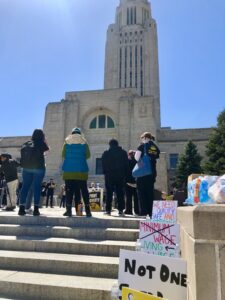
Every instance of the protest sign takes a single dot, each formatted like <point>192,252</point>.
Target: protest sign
<point>130,294</point>
<point>158,275</point>
<point>160,238</point>
<point>96,198</point>
<point>164,211</point>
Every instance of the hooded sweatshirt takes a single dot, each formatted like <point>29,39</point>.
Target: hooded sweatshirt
<point>75,153</point>
<point>115,162</point>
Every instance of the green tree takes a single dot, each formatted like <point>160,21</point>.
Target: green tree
<point>189,162</point>
<point>215,149</point>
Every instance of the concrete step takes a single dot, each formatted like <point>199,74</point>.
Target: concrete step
<point>64,245</point>
<point>39,286</point>
<point>98,221</point>
<point>54,257</point>
<point>70,232</point>
<point>65,264</point>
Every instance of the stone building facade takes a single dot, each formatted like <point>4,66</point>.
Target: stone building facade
<point>128,105</point>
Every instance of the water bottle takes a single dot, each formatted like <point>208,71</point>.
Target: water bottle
<point>138,245</point>
<point>148,219</point>
<point>115,291</point>
<point>203,191</point>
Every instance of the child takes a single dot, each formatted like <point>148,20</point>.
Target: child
<point>9,168</point>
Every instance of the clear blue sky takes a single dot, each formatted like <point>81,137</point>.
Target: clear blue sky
<point>44,52</point>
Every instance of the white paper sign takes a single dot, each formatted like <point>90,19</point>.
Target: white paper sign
<point>164,211</point>
<point>161,276</point>
<point>160,238</point>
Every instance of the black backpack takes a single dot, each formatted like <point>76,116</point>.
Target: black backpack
<point>30,155</point>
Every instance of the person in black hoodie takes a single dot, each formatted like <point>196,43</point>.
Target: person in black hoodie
<point>115,168</point>
<point>9,168</point>
<point>131,187</point>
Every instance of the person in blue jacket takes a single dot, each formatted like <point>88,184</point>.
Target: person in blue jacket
<point>75,153</point>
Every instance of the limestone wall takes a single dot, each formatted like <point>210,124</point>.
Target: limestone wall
<point>12,145</point>
<point>203,247</point>
<point>174,141</point>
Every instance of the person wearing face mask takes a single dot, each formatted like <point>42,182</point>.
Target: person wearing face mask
<point>145,184</point>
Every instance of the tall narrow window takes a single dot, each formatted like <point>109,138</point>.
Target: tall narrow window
<point>125,75</point>
<point>128,16</point>
<point>131,15</point>
<point>136,61</point>
<point>120,72</point>
<point>141,65</point>
<point>130,66</point>
<point>135,15</point>
<point>173,160</point>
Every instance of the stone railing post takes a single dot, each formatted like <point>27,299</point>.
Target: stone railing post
<point>203,247</point>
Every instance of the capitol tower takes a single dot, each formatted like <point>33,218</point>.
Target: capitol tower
<point>131,57</point>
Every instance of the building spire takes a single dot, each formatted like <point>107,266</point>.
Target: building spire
<point>132,12</point>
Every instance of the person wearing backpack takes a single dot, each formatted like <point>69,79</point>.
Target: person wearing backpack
<point>9,168</point>
<point>33,164</point>
<point>145,184</point>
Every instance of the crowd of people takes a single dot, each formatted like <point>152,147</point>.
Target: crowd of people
<point>134,195</point>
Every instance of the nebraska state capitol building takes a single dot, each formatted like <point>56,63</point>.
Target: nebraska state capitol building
<point>128,105</point>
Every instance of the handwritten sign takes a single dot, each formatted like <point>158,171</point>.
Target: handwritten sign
<point>160,238</point>
<point>95,198</point>
<point>130,294</point>
<point>164,211</point>
<point>157,275</point>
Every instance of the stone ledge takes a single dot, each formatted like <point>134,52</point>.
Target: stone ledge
<point>203,221</point>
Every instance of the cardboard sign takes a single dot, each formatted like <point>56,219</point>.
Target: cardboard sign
<point>130,294</point>
<point>164,211</point>
<point>160,238</point>
<point>96,198</point>
<point>157,275</point>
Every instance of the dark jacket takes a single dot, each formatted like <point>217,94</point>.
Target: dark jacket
<point>115,162</point>
<point>9,167</point>
<point>131,163</point>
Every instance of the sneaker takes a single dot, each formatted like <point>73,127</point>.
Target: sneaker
<point>10,208</point>
<point>121,213</point>
<point>36,211</point>
<point>21,211</point>
<point>88,215</point>
<point>67,213</point>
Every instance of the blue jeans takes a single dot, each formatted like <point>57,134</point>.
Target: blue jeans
<point>32,177</point>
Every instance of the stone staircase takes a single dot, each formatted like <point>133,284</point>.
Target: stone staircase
<point>53,257</point>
